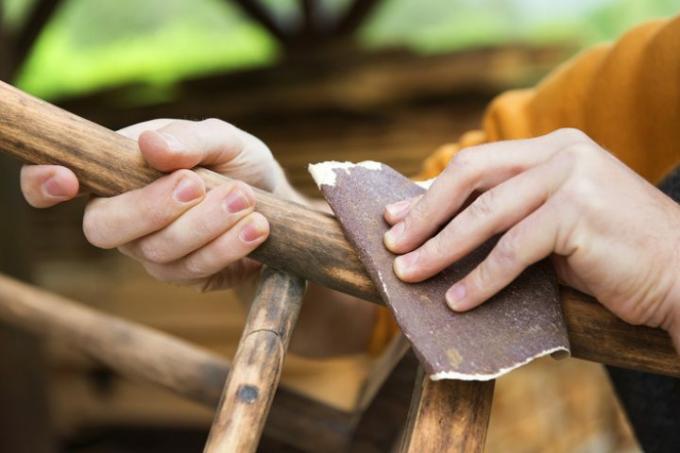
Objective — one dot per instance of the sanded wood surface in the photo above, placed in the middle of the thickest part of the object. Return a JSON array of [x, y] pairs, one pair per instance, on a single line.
[[145, 354], [303, 241], [256, 369], [447, 416]]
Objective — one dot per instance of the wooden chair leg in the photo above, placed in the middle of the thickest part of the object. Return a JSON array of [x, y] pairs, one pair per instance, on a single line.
[[447, 416], [250, 387]]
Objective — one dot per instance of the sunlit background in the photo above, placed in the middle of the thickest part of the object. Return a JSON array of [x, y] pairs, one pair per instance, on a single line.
[[388, 80], [90, 44]]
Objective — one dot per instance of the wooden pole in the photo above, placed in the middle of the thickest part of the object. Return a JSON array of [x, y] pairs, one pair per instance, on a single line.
[[302, 241], [447, 416], [134, 351], [145, 354], [256, 369]]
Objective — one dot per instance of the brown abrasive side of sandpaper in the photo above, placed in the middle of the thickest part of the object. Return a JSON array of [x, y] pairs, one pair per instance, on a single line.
[[522, 322]]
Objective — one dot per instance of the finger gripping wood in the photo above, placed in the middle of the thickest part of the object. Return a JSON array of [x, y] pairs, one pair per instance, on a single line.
[[302, 241]]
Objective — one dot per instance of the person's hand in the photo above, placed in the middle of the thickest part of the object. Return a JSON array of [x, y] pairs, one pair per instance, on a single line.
[[609, 232], [179, 232]]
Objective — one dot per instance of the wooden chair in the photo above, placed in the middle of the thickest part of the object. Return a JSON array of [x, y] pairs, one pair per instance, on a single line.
[[304, 244]]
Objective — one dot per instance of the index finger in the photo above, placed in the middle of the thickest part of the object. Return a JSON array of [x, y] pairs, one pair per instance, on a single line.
[[473, 169]]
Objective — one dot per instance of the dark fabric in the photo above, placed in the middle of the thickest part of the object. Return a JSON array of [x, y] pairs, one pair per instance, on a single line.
[[652, 402]]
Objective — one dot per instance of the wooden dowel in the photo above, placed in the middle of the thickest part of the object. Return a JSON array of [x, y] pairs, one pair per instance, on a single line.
[[256, 369], [598, 335], [447, 416], [133, 350], [146, 354], [302, 241]]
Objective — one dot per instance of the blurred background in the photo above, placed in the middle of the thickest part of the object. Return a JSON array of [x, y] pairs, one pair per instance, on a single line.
[[388, 80]]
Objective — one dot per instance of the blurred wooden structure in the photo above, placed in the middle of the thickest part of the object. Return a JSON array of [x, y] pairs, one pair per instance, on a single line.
[[308, 243], [325, 100]]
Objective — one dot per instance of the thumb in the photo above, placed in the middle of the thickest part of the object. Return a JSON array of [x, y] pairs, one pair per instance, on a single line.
[[186, 144]]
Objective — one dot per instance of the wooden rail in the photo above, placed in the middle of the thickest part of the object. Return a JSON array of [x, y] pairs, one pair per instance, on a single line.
[[447, 416], [141, 353], [303, 241], [257, 365]]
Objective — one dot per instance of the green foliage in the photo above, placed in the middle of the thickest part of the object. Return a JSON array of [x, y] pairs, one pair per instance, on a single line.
[[443, 25], [97, 43], [93, 44]]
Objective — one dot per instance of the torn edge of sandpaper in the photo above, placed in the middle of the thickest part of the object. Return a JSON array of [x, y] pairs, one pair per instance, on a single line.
[[521, 323]]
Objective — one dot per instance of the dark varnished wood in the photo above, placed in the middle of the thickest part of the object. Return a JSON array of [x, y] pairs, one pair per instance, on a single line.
[[257, 366], [447, 416], [303, 241], [142, 353], [598, 335]]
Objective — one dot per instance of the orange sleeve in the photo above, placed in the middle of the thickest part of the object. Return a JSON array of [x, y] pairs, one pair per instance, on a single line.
[[625, 96]]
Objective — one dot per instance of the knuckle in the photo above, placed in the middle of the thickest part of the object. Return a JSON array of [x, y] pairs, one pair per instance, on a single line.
[[214, 123], [573, 134], [411, 222], [506, 255], [153, 252], [432, 250], [482, 277], [583, 194], [93, 230], [464, 158], [242, 187], [465, 164], [581, 152], [184, 173], [157, 216], [484, 205], [196, 269]]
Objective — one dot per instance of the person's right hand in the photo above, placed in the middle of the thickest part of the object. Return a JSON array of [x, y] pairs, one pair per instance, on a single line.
[[179, 232]]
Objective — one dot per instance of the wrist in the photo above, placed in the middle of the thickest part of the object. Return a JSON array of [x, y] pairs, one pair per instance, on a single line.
[[673, 295]]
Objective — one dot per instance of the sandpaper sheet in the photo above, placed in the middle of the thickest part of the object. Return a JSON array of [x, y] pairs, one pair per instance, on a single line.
[[521, 323]]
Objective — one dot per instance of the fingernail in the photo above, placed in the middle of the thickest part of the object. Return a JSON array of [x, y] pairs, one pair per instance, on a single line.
[[398, 209], [188, 190], [236, 201], [253, 231], [455, 296], [53, 189], [404, 263], [393, 235], [173, 143]]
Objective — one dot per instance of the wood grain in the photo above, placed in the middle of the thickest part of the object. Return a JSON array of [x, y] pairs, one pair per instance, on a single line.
[[598, 335], [447, 416], [256, 369], [145, 354], [304, 242]]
